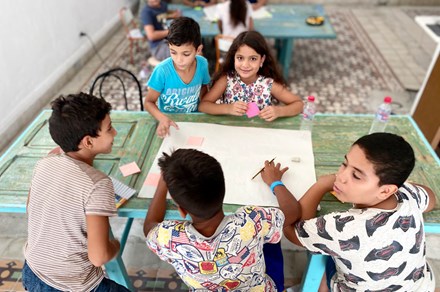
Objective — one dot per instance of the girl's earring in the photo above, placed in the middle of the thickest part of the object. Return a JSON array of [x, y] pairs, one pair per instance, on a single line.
[[261, 65]]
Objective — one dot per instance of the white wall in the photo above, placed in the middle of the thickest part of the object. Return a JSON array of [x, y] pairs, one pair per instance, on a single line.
[[39, 44]]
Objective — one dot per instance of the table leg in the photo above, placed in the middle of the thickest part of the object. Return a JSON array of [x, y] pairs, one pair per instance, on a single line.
[[125, 234], [115, 268], [313, 273], [285, 55]]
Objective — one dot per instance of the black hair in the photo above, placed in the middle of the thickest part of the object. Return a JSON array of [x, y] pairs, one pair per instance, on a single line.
[[195, 181], [256, 41], [74, 117], [238, 12], [184, 30], [392, 157]]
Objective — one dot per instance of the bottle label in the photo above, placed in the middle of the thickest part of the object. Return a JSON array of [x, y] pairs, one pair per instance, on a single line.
[[382, 115], [308, 114]]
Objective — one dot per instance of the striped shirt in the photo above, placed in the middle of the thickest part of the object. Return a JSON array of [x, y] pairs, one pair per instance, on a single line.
[[63, 191]]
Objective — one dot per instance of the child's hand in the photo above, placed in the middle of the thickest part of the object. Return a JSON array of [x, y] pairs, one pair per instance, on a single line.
[[269, 113], [272, 172], [163, 129], [238, 108]]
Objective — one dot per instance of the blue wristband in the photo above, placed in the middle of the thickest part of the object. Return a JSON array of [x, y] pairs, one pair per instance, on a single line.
[[274, 184]]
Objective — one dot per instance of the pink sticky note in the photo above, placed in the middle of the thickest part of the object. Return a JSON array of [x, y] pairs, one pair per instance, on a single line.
[[194, 141], [152, 179], [129, 168], [253, 110]]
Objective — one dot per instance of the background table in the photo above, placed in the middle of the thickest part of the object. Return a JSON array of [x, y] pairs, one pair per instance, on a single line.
[[136, 141], [286, 24]]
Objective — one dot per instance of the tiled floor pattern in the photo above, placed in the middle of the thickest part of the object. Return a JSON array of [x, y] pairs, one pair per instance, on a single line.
[[143, 279]]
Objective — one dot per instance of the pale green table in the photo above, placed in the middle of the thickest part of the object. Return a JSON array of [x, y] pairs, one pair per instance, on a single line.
[[136, 141]]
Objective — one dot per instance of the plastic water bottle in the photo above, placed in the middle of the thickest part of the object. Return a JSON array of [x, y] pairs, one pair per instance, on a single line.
[[308, 114], [382, 116]]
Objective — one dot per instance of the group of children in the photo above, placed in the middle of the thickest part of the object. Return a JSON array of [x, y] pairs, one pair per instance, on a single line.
[[249, 74], [377, 245]]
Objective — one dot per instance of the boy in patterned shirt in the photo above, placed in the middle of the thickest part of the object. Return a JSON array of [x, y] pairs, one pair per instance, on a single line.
[[378, 244], [213, 251]]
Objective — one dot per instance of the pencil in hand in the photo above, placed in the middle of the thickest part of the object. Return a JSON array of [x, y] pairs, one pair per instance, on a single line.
[[262, 169]]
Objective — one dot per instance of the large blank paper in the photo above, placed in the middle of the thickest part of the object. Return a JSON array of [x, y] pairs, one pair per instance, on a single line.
[[241, 152]]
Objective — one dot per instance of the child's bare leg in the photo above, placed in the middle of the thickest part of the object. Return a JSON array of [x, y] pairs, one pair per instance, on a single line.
[[323, 286]]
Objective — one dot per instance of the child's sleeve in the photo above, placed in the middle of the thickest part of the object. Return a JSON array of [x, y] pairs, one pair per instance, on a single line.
[[157, 79], [159, 239], [417, 193], [101, 200], [206, 78], [320, 235], [272, 221]]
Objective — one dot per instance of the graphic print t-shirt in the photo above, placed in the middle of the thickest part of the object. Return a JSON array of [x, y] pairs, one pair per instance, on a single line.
[[231, 259], [175, 95], [374, 249]]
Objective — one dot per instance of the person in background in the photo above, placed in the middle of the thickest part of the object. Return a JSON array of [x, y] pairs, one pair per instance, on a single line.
[[235, 17], [153, 19], [178, 82], [214, 251], [256, 4], [70, 201], [250, 74], [379, 243], [199, 3]]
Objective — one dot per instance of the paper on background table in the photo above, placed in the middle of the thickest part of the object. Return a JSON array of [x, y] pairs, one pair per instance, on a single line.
[[241, 152], [261, 12], [211, 12]]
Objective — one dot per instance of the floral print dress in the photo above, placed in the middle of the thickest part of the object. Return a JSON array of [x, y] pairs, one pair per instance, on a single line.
[[258, 91]]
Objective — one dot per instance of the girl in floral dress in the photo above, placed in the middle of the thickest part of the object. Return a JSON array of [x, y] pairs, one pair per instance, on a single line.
[[250, 74]]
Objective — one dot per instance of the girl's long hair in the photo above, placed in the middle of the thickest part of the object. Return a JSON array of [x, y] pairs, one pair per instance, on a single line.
[[256, 41], [238, 11]]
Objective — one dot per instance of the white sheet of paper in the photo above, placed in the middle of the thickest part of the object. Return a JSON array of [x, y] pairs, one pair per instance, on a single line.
[[211, 12], [261, 12], [241, 152]]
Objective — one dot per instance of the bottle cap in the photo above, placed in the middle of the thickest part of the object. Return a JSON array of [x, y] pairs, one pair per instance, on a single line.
[[387, 99], [310, 98]]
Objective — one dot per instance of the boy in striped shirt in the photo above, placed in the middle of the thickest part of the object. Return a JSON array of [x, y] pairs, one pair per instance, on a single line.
[[70, 201]]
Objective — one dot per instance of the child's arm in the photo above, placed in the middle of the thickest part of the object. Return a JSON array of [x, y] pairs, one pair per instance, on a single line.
[[208, 105], [156, 211], [174, 13], [153, 34], [99, 246], [287, 202], [165, 122], [431, 195], [293, 104]]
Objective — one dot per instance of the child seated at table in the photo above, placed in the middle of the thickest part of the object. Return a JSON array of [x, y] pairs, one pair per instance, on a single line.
[[250, 74], [153, 16], [199, 3], [235, 17], [70, 201], [379, 243], [213, 251], [177, 83]]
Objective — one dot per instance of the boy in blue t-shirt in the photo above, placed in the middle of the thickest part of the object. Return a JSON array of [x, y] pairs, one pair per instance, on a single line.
[[177, 83]]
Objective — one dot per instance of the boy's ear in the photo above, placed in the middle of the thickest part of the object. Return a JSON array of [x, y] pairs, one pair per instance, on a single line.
[[86, 142], [199, 50], [182, 212], [386, 191]]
